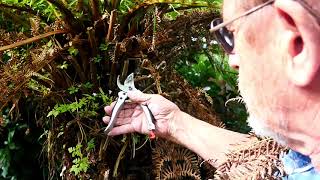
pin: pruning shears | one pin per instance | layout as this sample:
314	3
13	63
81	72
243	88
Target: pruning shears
122	97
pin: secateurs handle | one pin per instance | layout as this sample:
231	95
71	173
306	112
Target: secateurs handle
150	125
116	110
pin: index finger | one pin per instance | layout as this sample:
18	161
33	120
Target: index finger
127	105
108	109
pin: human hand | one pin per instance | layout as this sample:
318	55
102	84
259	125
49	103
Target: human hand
133	119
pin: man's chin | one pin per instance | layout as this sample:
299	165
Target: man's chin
259	128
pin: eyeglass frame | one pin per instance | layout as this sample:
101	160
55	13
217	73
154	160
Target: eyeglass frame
303	3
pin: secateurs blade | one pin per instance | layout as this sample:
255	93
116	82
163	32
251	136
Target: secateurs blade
122	97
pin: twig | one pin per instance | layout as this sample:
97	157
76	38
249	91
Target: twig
142	144
149	87
94	4
124	147
94	48
77	67
125	69
103	146
33	39
143	77
112	21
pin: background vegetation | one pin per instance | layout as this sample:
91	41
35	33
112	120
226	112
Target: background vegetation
58	63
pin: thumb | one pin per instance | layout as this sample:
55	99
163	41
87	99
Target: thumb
139	97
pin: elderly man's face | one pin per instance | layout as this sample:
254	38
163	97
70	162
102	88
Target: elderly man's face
261	80
277	54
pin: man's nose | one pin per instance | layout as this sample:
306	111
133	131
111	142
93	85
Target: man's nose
234	61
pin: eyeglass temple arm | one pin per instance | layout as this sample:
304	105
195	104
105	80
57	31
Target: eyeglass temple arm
301	2
217	27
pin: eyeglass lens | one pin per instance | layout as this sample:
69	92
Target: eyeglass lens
223	36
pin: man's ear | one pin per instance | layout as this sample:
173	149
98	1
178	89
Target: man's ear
302	39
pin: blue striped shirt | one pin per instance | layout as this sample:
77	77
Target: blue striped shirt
299	167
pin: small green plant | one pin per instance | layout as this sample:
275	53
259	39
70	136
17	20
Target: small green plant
80	162
73	90
36	86
104	47
97	59
87	85
73	51
64	65
72	107
91	145
85	107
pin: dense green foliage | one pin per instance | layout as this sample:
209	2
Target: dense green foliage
208	69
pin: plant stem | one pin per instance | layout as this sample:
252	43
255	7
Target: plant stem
120	156
94	48
33	39
94	4
112	21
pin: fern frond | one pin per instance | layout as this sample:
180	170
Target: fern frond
189	3
237	99
172	161
256	159
38	75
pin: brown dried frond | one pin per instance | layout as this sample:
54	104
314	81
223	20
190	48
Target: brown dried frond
166	81
180	172
168	173
35	26
179	89
7	38
187	171
17	72
173	37
256	159
172	161
58	24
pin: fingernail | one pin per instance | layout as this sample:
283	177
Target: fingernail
104	119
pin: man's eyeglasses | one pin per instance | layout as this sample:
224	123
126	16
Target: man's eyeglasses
226	38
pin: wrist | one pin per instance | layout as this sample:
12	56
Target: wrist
177	126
